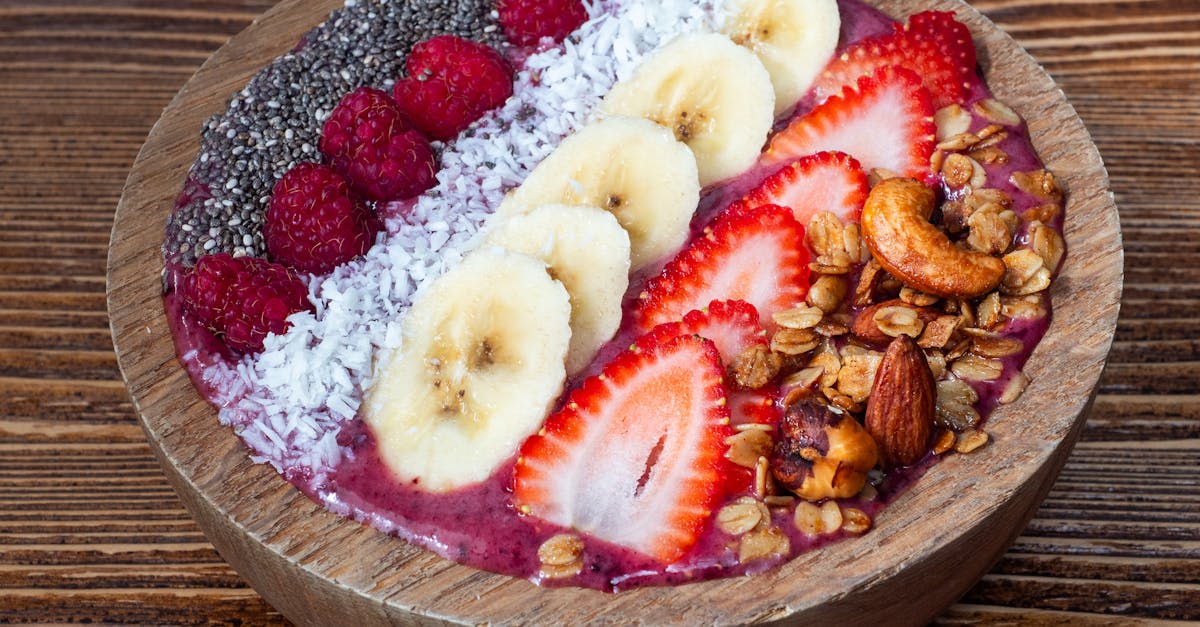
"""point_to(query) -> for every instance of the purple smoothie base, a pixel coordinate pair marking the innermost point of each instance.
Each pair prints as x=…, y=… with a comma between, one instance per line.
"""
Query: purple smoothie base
x=479, y=527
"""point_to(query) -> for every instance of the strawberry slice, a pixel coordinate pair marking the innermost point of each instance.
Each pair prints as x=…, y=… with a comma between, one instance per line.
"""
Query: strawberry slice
x=826, y=181
x=732, y=325
x=755, y=254
x=635, y=456
x=885, y=121
x=932, y=44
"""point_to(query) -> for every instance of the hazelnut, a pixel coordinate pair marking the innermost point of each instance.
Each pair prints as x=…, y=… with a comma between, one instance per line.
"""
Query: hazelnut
x=822, y=454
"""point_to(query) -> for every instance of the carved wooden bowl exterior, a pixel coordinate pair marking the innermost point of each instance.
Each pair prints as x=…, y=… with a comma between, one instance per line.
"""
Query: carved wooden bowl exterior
x=925, y=550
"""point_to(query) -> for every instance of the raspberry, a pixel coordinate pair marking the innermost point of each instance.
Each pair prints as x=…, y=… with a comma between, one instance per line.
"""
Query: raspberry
x=242, y=299
x=315, y=222
x=451, y=83
x=368, y=140
x=525, y=22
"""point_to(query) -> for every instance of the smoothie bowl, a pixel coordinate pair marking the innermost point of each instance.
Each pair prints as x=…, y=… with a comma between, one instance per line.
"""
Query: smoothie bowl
x=797, y=495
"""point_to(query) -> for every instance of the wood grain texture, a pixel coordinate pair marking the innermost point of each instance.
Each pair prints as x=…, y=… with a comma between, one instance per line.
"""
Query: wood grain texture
x=89, y=531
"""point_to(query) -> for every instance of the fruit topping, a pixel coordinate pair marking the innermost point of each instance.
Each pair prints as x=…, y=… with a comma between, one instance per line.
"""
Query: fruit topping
x=900, y=409
x=714, y=95
x=480, y=366
x=368, y=140
x=315, y=222
x=932, y=44
x=451, y=83
x=588, y=252
x=630, y=167
x=526, y=22
x=885, y=121
x=635, y=456
x=242, y=299
x=755, y=254
x=794, y=40
x=896, y=228
x=822, y=454
x=732, y=325
x=826, y=181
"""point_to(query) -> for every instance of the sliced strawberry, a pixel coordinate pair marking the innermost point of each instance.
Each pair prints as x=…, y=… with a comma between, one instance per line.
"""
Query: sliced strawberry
x=635, y=456
x=885, y=121
x=932, y=44
x=826, y=181
x=755, y=254
x=732, y=325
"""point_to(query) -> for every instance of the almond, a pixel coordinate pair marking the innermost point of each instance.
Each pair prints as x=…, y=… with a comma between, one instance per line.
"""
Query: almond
x=901, y=407
x=865, y=328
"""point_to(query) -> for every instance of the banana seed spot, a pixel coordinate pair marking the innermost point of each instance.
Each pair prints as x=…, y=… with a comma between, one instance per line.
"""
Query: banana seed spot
x=613, y=201
x=484, y=355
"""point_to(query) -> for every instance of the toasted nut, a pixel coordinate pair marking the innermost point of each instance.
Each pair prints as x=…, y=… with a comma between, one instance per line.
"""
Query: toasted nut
x=901, y=408
x=855, y=521
x=745, y=447
x=827, y=293
x=944, y=441
x=1047, y=243
x=994, y=346
x=798, y=317
x=755, y=367
x=938, y=333
x=762, y=544
x=833, y=325
x=957, y=170
x=988, y=315
x=794, y=341
x=989, y=155
x=864, y=292
x=1045, y=213
x=997, y=111
x=825, y=234
x=857, y=374
x=1015, y=388
x=866, y=328
x=990, y=230
x=914, y=297
x=855, y=246
x=975, y=368
x=561, y=556
x=1040, y=183
x=982, y=196
x=950, y=121
x=741, y=516
x=821, y=454
x=1025, y=307
x=962, y=141
x=830, y=362
x=894, y=321
x=895, y=223
x=970, y=440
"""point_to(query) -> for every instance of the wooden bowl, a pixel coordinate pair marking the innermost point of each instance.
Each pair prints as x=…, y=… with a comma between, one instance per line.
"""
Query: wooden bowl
x=317, y=568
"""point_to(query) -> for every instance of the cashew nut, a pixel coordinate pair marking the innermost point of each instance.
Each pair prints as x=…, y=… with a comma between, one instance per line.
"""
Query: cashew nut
x=895, y=226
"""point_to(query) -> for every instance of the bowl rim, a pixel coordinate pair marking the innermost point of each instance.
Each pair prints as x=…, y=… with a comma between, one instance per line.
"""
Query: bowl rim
x=318, y=567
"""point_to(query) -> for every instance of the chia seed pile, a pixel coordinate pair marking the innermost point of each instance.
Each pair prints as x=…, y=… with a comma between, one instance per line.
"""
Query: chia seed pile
x=289, y=402
x=275, y=121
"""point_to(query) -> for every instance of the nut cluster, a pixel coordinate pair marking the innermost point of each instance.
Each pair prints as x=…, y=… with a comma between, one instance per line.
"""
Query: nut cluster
x=905, y=319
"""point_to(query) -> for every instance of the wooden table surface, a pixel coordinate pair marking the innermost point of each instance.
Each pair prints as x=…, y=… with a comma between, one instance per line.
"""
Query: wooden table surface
x=91, y=531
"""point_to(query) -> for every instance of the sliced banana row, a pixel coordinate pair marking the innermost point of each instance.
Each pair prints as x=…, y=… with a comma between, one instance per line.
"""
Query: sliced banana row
x=714, y=95
x=628, y=166
x=794, y=40
x=585, y=249
x=480, y=364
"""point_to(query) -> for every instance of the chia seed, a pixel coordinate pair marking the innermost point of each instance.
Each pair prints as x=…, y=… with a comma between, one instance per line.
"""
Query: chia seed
x=275, y=121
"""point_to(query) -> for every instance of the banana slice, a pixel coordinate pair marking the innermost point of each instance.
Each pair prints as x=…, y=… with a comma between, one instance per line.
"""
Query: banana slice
x=714, y=95
x=481, y=363
x=588, y=251
x=628, y=166
x=794, y=39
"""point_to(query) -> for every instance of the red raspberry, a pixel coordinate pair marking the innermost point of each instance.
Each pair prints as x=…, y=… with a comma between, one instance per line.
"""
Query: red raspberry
x=451, y=83
x=242, y=299
x=525, y=22
x=315, y=222
x=368, y=141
